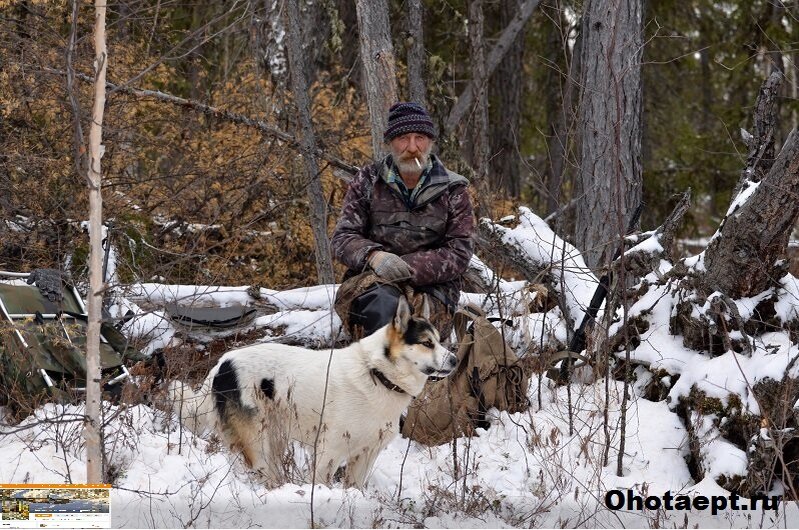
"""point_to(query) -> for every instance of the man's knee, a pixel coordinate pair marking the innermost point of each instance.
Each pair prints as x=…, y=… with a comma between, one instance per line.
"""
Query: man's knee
x=374, y=308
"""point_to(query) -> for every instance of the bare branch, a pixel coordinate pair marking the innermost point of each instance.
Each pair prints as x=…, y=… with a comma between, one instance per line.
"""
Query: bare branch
x=220, y=114
x=464, y=102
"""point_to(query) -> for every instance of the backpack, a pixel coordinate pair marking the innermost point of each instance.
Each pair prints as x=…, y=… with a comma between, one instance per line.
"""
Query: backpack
x=489, y=374
x=43, y=343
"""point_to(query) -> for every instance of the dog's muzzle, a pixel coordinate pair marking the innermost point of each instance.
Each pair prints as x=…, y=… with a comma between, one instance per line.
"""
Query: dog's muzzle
x=448, y=366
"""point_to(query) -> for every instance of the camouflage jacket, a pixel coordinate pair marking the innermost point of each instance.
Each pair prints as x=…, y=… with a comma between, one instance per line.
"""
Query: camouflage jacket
x=433, y=235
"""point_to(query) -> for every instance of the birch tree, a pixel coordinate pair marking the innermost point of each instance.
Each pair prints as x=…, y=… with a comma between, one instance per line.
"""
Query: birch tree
x=92, y=425
x=379, y=67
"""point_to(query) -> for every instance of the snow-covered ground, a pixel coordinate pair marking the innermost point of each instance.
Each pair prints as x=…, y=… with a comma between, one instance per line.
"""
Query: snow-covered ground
x=547, y=467
x=525, y=471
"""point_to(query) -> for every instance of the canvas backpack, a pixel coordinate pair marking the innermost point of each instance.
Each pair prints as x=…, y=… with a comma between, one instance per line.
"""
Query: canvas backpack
x=489, y=375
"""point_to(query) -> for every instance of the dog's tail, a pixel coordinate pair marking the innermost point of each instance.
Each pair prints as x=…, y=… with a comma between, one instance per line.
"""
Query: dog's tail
x=195, y=409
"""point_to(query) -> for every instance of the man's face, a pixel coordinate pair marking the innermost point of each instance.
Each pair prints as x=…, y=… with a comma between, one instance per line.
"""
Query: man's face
x=405, y=149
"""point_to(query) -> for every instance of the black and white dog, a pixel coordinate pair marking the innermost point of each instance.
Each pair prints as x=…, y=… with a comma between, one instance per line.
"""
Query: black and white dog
x=343, y=405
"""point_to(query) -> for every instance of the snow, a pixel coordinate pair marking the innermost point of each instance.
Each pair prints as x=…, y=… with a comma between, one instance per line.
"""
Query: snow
x=787, y=304
x=719, y=457
x=526, y=470
x=308, y=327
x=650, y=245
x=720, y=376
x=542, y=246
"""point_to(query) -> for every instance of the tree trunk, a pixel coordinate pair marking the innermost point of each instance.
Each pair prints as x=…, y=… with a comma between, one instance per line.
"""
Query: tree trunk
x=765, y=125
x=269, y=48
x=506, y=85
x=610, y=117
x=79, y=142
x=747, y=254
x=465, y=100
x=307, y=140
x=559, y=107
x=350, y=42
x=92, y=424
x=379, y=69
x=562, y=152
x=479, y=128
x=416, y=56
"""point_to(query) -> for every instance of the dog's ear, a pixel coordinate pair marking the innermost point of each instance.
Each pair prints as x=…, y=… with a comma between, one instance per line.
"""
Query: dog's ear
x=402, y=316
x=425, y=307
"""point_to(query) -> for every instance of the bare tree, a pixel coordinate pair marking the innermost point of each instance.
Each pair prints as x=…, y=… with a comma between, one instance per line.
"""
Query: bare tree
x=747, y=255
x=479, y=128
x=559, y=94
x=501, y=47
x=416, y=56
x=379, y=68
x=506, y=88
x=307, y=140
x=610, y=117
x=92, y=426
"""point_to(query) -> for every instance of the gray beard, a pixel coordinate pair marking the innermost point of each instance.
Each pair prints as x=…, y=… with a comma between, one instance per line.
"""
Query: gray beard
x=409, y=166
x=406, y=166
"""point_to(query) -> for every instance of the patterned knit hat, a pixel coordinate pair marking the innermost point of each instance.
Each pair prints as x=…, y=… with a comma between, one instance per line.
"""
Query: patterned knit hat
x=406, y=118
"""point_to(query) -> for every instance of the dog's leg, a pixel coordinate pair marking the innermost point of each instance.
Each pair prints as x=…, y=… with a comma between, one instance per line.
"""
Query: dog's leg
x=361, y=462
x=246, y=434
x=326, y=465
x=359, y=467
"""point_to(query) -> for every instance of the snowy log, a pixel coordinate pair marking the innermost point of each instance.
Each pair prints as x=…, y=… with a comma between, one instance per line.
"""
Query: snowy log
x=538, y=252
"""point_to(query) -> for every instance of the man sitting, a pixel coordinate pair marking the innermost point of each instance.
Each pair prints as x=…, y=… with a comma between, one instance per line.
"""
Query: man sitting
x=406, y=222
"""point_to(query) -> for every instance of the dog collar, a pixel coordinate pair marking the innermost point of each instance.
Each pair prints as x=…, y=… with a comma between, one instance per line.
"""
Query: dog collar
x=386, y=381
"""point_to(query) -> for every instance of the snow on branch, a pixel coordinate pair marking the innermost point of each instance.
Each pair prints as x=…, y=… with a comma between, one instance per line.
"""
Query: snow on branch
x=537, y=251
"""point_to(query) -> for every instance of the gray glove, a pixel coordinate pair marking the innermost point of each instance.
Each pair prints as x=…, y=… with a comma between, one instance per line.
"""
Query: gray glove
x=389, y=266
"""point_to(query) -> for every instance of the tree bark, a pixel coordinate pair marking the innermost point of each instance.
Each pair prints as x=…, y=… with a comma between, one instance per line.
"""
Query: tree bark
x=761, y=144
x=747, y=255
x=559, y=107
x=479, y=128
x=269, y=50
x=350, y=42
x=92, y=424
x=503, y=44
x=506, y=86
x=610, y=117
x=79, y=141
x=416, y=56
x=379, y=69
x=307, y=140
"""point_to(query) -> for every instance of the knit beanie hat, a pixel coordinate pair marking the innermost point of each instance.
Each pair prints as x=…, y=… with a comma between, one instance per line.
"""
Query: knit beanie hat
x=404, y=118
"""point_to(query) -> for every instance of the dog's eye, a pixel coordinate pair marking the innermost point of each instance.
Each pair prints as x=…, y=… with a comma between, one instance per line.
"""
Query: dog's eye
x=428, y=344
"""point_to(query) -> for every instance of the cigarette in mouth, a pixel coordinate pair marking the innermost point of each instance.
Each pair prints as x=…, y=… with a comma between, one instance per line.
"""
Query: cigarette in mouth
x=418, y=163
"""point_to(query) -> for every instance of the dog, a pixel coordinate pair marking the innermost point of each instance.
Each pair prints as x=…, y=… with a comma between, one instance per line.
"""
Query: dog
x=343, y=405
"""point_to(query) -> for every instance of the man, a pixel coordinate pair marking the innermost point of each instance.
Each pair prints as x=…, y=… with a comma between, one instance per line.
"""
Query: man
x=406, y=221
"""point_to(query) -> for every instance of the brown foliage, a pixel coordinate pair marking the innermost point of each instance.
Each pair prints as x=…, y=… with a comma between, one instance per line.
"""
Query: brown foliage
x=193, y=199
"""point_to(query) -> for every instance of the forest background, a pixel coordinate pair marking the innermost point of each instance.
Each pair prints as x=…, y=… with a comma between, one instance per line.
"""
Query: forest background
x=204, y=196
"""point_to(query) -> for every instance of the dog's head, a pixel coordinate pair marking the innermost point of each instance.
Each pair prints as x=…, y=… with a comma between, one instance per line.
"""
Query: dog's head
x=415, y=341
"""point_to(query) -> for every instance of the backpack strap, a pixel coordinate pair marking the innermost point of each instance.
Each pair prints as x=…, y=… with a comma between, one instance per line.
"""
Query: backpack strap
x=462, y=318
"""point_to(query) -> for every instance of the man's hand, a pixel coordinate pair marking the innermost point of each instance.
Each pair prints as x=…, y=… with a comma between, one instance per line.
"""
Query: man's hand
x=389, y=266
